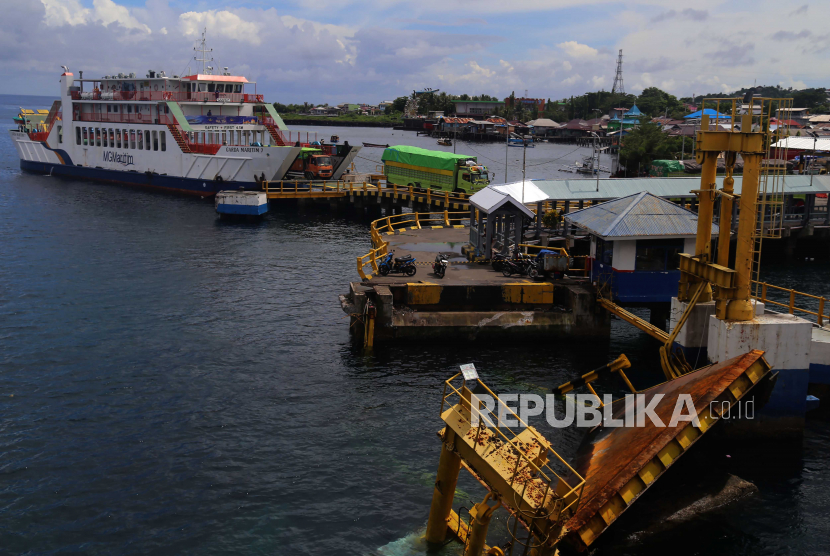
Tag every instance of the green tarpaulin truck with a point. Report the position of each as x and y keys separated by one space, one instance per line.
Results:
x=426 y=169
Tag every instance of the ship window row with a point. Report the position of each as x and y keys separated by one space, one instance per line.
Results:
x=215 y=88
x=132 y=108
x=142 y=140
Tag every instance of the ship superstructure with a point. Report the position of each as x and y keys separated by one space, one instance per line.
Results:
x=197 y=133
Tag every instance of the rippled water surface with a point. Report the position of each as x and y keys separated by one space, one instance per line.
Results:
x=175 y=384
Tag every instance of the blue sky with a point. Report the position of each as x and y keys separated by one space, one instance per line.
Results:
x=372 y=50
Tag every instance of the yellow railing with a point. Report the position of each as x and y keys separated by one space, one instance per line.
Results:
x=295 y=187
x=407 y=220
x=819 y=314
x=525 y=470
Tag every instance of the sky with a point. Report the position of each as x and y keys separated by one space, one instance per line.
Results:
x=326 y=51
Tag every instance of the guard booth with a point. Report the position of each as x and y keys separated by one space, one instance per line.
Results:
x=636 y=243
x=497 y=228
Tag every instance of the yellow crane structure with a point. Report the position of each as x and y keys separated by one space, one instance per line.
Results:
x=760 y=207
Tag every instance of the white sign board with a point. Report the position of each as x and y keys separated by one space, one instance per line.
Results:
x=469 y=371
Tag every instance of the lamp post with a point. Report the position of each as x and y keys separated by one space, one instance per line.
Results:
x=813 y=161
x=596 y=157
x=506 y=145
x=524 y=161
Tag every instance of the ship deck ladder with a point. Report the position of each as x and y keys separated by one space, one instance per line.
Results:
x=177 y=135
x=272 y=129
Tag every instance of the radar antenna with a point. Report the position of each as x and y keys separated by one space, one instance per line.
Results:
x=204 y=52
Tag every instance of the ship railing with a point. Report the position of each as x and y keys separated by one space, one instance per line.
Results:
x=812 y=305
x=177 y=96
x=305 y=138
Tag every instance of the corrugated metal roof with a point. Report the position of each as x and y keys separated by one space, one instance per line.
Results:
x=804 y=143
x=614 y=188
x=490 y=199
x=636 y=216
x=527 y=194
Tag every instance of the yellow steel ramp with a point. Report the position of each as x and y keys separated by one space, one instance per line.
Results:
x=619 y=464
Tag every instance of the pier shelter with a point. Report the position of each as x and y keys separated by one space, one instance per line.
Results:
x=499 y=224
x=635 y=242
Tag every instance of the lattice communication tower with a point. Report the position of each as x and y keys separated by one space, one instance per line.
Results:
x=618 y=79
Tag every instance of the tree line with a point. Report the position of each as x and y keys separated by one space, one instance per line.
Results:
x=652 y=102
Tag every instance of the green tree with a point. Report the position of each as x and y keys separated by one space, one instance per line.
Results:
x=644 y=144
x=399 y=104
x=655 y=102
x=809 y=98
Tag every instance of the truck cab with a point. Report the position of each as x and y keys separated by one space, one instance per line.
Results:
x=472 y=178
x=313 y=164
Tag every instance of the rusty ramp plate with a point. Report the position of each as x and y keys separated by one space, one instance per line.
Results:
x=620 y=463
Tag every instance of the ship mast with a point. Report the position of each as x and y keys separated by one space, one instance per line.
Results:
x=204 y=51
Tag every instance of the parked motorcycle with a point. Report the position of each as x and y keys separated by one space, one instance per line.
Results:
x=523 y=266
x=439 y=267
x=401 y=265
x=497 y=261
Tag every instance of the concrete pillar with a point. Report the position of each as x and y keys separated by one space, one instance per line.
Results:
x=786 y=341
x=820 y=357
x=693 y=338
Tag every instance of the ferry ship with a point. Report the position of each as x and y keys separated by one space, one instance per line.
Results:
x=196 y=134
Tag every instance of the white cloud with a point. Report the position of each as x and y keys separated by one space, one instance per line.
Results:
x=107 y=12
x=64 y=12
x=223 y=23
x=578 y=50
x=296 y=55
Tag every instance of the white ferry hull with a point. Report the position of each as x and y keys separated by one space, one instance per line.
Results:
x=204 y=175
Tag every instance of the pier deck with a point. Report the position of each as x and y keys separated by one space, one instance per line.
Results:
x=472 y=301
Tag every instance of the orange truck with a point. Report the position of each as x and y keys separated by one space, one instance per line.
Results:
x=313 y=164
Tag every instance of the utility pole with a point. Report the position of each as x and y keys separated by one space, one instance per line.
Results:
x=813 y=161
x=506 y=146
x=524 y=161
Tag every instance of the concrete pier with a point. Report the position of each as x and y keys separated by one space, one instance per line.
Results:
x=473 y=301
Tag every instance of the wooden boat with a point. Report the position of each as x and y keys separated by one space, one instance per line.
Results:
x=445 y=142
x=375 y=145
